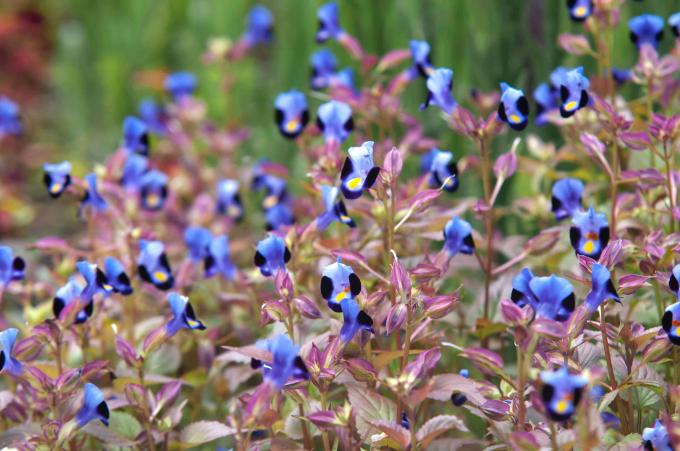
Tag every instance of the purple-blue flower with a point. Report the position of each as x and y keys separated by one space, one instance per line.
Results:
x=550 y=297
x=439 y=85
x=183 y=316
x=358 y=172
x=334 y=119
x=646 y=29
x=513 y=108
x=420 y=55
x=656 y=438
x=290 y=113
x=589 y=233
x=271 y=255
x=443 y=170
x=323 y=67
x=674 y=22
x=153 y=115
x=116 y=277
x=329 y=23
x=621 y=76
x=338 y=282
x=547 y=99
x=566 y=198
x=580 y=10
x=260 y=26
x=135 y=167
x=670 y=322
x=602 y=288
x=197 y=240
x=335 y=209
x=94 y=407
x=153 y=265
x=458 y=398
x=135 y=136
x=153 y=190
x=561 y=393
x=458 y=237
x=353 y=320
x=92 y=199
x=218 y=260
x=68 y=293
x=57 y=178
x=94 y=278
x=673 y=281
x=11 y=268
x=8 y=363
x=280 y=215
x=573 y=87
x=10 y=121
x=286 y=362
x=180 y=85
x=228 y=199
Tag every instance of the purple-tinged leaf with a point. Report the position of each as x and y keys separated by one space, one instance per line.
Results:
x=630 y=283
x=392 y=59
x=439 y=306
x=636 y=140
x=444 y=385
x=324 y=419
x=361 y=369
x=400 y=279
x=514 y=314
x=252 y=352
x=423 y=365
x=423 y=198
x=350 y=255
x=484 y=358
x=204 y=431
x=436 y=426
x=394 y=431
x=395 y=317
x=127 y=352
x=574 y=44
x=135 y=394
x=548 y=328
x=369 y=406
x=307 y=307
x=393 y=164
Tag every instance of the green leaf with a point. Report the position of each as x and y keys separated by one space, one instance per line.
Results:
x=165 y=360
x=369 y=406
x=125 y=424
x=204 y=432
x=106 y=435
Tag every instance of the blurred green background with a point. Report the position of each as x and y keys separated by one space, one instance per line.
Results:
x=100 y=45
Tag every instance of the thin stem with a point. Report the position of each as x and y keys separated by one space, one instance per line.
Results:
x=610 y=366
x=488 y=221
x=520 y=390
x=668 y=159
x=324 y=433
x=307 y=439
x=553 y=437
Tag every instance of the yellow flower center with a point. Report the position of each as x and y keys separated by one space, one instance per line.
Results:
x=292 y=125
x=160 y=276
x=354 y=183
x=571 y=105
x=588 y=247
x=55 y=188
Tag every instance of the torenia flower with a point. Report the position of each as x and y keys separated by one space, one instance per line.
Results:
x=335 y=209
x=116 y=277
x=589 y=233
x=68 y=293
x=353 y=320
x=673 y=281
x=656 y=438
x=550 y=297
x=602 y=288
x=329 y=23
x=180 y=85
x=8 y=363
x=228 y=199
x=135 y=167
x=10 y=121
x=323 y=67
x=334 y=119
x=358 y=172
x=439 y=85
x=573 y=92
x=280 y=215
x=276 y=190
x=443 y=170
x=135 y=136
x=94 y=407
x=674 y=22
x=547 y=99
x=458 y=237
x=566 y=198
x=92 y=198
x=513 y=108
x=197 y=240
x=458 y=398
x=153 y=265
x=57 y=178
x=285 y=364
x=183 y=316
x=291 y=113
x=580 y=10
x=260 y=28
x=271 y=255
x=420 y=54
x=95 y=280
x=11 y=268
x=621 y=76
x=153 y=115
x=339 y=282
x=646 y=29
x=218 y=260
x=561 y=393
x=671 y=323
x=153 y=190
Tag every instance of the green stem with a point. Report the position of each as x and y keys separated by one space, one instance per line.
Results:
x=488 y=221
x=610 y=368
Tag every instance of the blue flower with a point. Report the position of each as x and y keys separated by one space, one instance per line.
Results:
x=197 y=240
x=275 y=188
x=135 y=167
x=547 y=99
x=561 y=393
x=580 y=10
x=10 y=121
x=94 y=407
x=439 y=85
x=646 y=29
x=290 y=113
x=218 y=260
x=443 y=170
x=329 y=23
x=335 y=209
x=550 y=297
x=271 y=255
x=116 y=277
x=673 y=281
x=405 y=422
x=11 y=268
x=153 y=266
x=153 y=188
x=457 y=398
x=180 y=85
x=657 y=438
x=286 y=362
x=353 y=320
x=358 y=171
x=602 y=288
x=135 y=136
x=92 y=198
x=228 y=199
x=7 y=362
x=183 y=316
x=280 y=215
x=674 y=22
x=57 y=178
x=338 y=282
x=95 y=280
x=323 y=65
x=334 y=119
x=68 y=293
x=513 y=108
x=610 y=421
x=260 y=26
x=589 y=233
x=671 y=323
x=458 y=237
x=573 y=92
x=153 y=115
x=621 y=76
x=420 y=54
x=566 y=198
